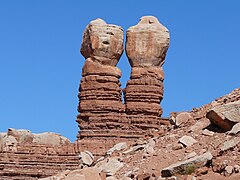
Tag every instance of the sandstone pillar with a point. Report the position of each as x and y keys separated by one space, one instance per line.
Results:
x=146 y=48
x=100 y=95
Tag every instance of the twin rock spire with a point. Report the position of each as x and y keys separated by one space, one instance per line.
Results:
x=103 y=116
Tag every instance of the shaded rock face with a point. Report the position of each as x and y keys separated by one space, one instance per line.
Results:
x=102 y=112
x=225 y=116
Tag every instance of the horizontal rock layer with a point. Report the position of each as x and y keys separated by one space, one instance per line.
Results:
x=33 y=161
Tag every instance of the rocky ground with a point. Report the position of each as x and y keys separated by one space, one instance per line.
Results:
x=193 y=147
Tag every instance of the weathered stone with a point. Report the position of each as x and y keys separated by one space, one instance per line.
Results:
x=235 y=129
x=225 y=116
x=89 y=173
x=183 y=119
x=206 y=132
x=86 y=158
x=147 y=43
x=117 y=147
x=230 y=144
x=21 y=135
x=146 y=47
x=229 y=170
x=190 y=155
x=110 y=166
x=236 y=168
x=50 y=138
x=187 y=140
x=102 y=42
x=187 y=166
x=199 y=125
x=177 y=146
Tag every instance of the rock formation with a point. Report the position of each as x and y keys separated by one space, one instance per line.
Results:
x=146 y=48
x=25 y=155
x=102 y=113
x=100 y=95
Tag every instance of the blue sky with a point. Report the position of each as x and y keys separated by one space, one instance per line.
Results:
x=40 y=63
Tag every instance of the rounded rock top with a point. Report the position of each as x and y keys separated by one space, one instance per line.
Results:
x=147 y=43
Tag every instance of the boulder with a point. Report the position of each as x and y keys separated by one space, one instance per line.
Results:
x=8 y=143
x=226 y=115
x=50 y=138
x=147 y=43
x=21 y=135
x=187 y=140
x=235 y=129
x=230 y=144
x=86 y=158
x=110 y=166
x=182 y=119
x=187 y=166
x=117 y=147
x=102 y=42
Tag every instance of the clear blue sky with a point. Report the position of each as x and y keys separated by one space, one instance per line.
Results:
x=40 y=63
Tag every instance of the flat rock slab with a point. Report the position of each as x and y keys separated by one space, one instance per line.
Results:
x=187 y=166
x=235 y=129
x=225 y=116
x=230 y=144
x=187 y=140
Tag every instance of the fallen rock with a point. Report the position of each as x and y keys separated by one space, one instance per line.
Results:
x=187 y=166
x=183 y=119
x=117 y=147
x=177 y=146
x=228 y=170
x=199 y=125
x=235 y=129
x=226 y=115
x=206 y=132
x=88 y=173
x=134 y=149
x=190 y=155
x=110 y=166
x=230 y=144
x=187 y=140
x=86 y=158
x=236 y=168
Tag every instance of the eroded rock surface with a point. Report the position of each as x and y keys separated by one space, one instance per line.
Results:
x=146 y=48
x=103 y=116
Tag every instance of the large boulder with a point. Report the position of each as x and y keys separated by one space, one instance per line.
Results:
x=225 y=116
x=147 y=43
x=102 y=42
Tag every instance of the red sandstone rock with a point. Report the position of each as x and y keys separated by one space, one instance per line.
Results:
x=147 y=43
x=102 y=42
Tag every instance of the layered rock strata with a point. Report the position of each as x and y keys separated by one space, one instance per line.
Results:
x=146 y=48
x=103 y=118
x=24 y=155
x=100 y=95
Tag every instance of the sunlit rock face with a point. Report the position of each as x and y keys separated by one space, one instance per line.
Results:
x=147 y=43
x=103 y=118
x=102 y=42
x=146 y=48
x=100 y=95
